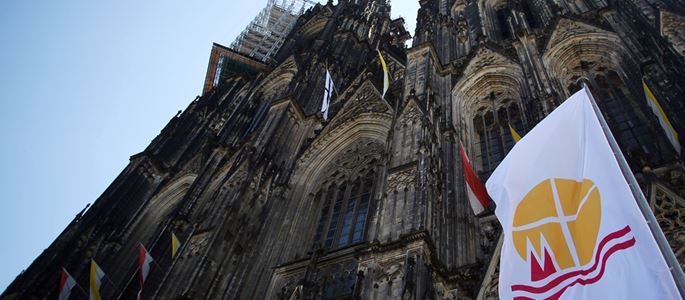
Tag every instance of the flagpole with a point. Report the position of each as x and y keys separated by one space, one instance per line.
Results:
x=64 y=270
x=82 y=290
x=148 y=254
x=335 y=89
x=173 y=262
x=652 y=223
x=127 y=283
x=76 y=283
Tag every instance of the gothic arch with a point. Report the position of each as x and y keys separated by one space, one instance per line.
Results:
x=458 y=8
x=327 y=148
x=315 y=26
x=488 y=97
x=276 y=84
x=334 y=156
x=576 y=49
x=494 y=15
x=167 y=199
x=150 y=222
x=162 y=204
x=228 y=179
x=365 y=115
x=342 y=197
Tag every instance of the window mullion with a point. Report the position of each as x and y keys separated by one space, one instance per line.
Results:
x=331 y=236
x=353 y=222
x=341 y=215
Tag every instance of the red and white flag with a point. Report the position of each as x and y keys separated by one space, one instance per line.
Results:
x=478 y=196
x=572 y=226
x=66 y=283
x=145 y=261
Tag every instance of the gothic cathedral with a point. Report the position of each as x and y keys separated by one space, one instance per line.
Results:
x=270 y=201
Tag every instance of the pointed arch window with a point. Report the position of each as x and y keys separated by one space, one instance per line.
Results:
x=217 y=73
x=630 y=128
x=344 y=212
x=502 y=16
x=492 y=135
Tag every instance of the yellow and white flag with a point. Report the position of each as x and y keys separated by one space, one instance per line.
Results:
x=175 y=244
x=96 y=275
x=572 y=226
x=386 y=75
x=665 y=123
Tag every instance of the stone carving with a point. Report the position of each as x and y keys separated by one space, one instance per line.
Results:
x=491 y=289
x=669 y=209
x=357 y=158
x=411 y=114
x=401 y=180
x=197 y=244
x=673 y=28
x=365 y=100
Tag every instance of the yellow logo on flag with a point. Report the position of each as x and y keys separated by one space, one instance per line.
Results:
x=556 y=228
x=554 y=210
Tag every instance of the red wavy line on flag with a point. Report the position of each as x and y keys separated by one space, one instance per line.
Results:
x=581 y=281
x=554 y=283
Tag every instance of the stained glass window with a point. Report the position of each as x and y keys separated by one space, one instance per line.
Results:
x=344 y=211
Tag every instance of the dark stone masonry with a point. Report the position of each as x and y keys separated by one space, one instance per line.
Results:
x=272 y=202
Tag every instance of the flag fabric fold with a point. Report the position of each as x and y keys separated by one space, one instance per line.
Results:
x=66 y=283
x=96 y=276
x=144 y=260
x=665 y=123
x=514 y=134
x=572 y=227
x=328 y=94
x=478 y=197
x=386 y=75
x=175 y=244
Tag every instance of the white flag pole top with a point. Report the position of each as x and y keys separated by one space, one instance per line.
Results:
x=572 y=226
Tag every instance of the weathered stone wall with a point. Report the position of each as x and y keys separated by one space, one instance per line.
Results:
x=271 y=201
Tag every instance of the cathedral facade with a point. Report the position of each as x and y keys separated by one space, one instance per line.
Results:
x=271 y=201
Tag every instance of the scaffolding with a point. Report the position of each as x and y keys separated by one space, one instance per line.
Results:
x=267 y=32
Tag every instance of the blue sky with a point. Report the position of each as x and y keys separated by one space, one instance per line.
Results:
x=86 y=84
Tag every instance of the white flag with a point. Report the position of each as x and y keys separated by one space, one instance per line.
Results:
x=328 y=94
x=572 y=228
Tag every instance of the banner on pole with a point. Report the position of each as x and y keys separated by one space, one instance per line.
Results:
x=572 y=227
